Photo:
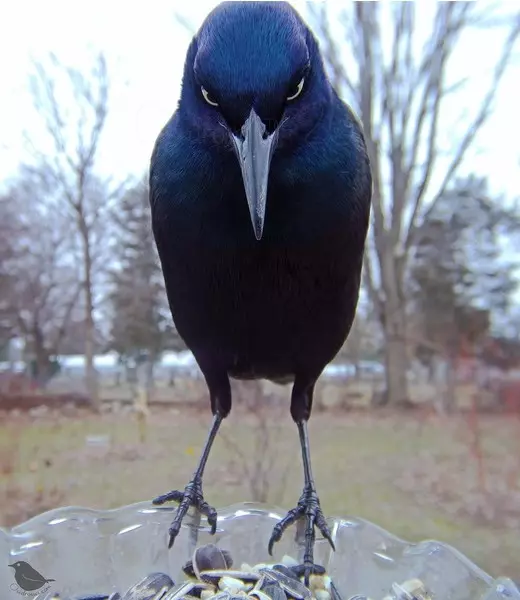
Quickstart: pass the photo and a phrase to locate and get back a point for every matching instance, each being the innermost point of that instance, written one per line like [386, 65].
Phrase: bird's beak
[254, 148]
[11, 566]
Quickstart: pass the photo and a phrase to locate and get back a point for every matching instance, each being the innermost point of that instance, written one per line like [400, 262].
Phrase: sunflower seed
[215, 575]
[289, 572]
[274, 591]
[200, 587]
[222, 596]
[149, 587]
[188, 569]
[209, 557]
[259, 594]
[210, 577]
[191, 588]
[292, 586]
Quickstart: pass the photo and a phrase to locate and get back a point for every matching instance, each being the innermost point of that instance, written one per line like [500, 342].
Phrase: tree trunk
[393, 317]
[396, 359]
[42, 366]
[439, 368]
[450, 401]
[90, 371]
[41, 357]
[142, 394]
[355, 347]
[150, 376]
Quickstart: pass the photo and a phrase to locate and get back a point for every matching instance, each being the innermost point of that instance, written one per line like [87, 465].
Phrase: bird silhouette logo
[28, 578]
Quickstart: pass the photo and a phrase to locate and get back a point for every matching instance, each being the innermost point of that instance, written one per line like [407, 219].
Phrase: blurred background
[416, 424]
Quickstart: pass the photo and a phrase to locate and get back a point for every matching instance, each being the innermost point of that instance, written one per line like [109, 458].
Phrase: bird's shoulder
[330, 173]
[177, 157]
[336, 148]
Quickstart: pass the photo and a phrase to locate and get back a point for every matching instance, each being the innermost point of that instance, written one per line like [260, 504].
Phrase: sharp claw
[309, 508]
[174, 496]
[192, 496]
[174, 531]
[212, 520]
[276, 535]
[160, 499]
[325, 532]
[328, 537]
[306, 576]
[270, 546]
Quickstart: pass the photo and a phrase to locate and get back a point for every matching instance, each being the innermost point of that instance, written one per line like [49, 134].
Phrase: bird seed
[210, 576]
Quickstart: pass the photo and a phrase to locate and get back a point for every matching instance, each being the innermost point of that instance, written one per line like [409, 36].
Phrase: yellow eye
[207, 97]
[297, 91]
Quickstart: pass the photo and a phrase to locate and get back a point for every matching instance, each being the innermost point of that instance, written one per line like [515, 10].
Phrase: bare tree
[459, 276]
[141, 323]
[42, 288]
[9, 227]
[398, 84]
[73, 106]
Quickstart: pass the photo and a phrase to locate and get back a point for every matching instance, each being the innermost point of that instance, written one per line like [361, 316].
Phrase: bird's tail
[49, 580]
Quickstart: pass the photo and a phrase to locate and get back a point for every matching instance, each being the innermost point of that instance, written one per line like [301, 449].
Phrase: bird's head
[254, 83]
[18, 565]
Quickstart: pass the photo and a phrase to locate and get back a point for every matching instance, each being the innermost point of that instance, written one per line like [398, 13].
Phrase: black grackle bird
[28, 578]
[260, 137]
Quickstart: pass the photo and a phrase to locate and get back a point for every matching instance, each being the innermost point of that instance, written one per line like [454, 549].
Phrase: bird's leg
[308, 506]
[192, 494]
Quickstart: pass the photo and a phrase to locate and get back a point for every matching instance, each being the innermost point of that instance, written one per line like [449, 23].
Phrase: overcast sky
[145, 47]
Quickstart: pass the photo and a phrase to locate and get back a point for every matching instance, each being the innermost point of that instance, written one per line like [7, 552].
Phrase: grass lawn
[416, 477]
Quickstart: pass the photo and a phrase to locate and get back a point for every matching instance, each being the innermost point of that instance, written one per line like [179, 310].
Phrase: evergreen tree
[141, 322]
[461, 281]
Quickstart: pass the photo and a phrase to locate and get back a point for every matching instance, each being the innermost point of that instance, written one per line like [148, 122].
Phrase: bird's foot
[309, 508]
[192, 496]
